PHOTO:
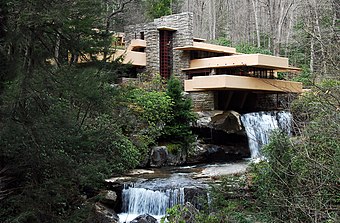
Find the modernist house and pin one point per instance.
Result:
(216, 77)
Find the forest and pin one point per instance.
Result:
(67, 126)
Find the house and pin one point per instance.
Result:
(216, 77)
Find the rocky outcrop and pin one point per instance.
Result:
(145, 218)
(227, 121)
(166, 156)
(207, 153)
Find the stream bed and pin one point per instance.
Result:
(152, 191)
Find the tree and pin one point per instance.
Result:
(158, 8)
(177, 127)
(59, 132)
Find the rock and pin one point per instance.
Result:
(159, 156)
(145, 218)
(214, 153)
(204, 153)
(140, 172)
(118, 180)
(104, 214)
(109, 197)
(196, 196)
(204, 118)
(228, 121)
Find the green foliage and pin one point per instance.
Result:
(299, 180)
(151, 110)
(250, 49)
(158, 8)
(177, 127)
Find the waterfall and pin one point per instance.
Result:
(260, 125)
(139, 201)
(153, 197)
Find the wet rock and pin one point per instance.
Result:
(103, 214)
(145, 218)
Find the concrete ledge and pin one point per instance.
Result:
(231, 82)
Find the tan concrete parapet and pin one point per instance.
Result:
(231, 82)
(131, 57)
(254, 60)
(201, 46)
(136, 44)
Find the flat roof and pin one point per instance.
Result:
(208, 47)
(167, 28)
(199, 39)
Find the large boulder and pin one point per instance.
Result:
(228, 121)
(145, 218)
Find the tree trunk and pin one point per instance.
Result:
(255, 7)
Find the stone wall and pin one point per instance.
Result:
(202, 101)
(183, 36)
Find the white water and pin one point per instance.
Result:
(153, 197)
(260, 125)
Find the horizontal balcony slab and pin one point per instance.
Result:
(200, 46)
(250, 60)
(136, 44)
(131, 57)
(231, 82)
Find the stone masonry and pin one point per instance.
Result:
(203, 101)
(183, 36)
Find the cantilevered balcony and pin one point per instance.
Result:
(231, 82)
(201, 46)
(136, 45)
(131, 57)
(249, 60)
(134, 54)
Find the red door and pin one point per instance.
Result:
(165, 57)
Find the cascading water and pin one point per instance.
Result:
(260, 125)
(153, 197)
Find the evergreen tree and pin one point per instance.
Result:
(178, 127)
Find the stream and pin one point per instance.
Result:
(152, 191)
